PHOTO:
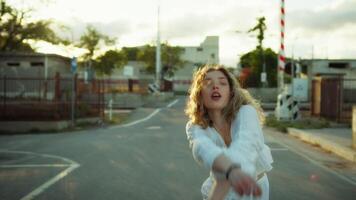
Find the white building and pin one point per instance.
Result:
(335, 68)
(206, 53)
(34, 65)
(346, 68)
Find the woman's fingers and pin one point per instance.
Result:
(244, 184)
(240, 191)
(247, 187)
(257, 191)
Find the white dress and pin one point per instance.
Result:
(247, 148)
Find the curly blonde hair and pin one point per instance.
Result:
(197, 112)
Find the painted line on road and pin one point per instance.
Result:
(352, 182)
(31, 166)
(72, 166)
(137, 121)
(47, 184)
(279, 149)
(143, 119)
(153, 128)
(172, 103)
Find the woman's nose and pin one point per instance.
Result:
(215, 87)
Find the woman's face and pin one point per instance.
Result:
(215, 91)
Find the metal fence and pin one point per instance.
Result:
(49, 99)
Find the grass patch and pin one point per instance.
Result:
(307, 123)
(185, 93)
(117, 118)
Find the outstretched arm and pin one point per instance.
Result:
(206, 152)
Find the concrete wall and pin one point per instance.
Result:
(124, 100)
(132, 100)
(264, 94)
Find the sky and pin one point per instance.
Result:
(314, 28)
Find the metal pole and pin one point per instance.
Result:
(281, 57)
(73, 99)
(5, 96)
(264, 84)
(158, 55)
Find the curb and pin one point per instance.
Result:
(337, 149)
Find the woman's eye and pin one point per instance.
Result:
(223, 83)
(207, 82)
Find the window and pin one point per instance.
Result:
(199, 49)
(37, 64)
(13, 64)
(339, 65)
(212, 55)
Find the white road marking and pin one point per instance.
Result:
(47, 184)
(279, 149)
(143, 119)
(29, 166)
(172, 103)
(72, 166)
(352, 182)
(153, 128)
(138, 121)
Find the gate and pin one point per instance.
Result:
(331, 98)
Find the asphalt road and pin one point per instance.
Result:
(149, 158)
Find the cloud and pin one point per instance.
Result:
(76, 28)
(199, 25)
(190, 25)
(326, 19)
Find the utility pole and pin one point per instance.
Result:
(158, 55)
(281, 56)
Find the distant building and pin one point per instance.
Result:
(194, 56)
(34, 65)
(132, 70)
(206, 53)
(339, 67)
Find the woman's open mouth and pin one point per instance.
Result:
(215, 96)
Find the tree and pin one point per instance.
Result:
(106, 63)
(170, 58)
(130, 52)
(92, 39)
(252, 60)
(16, 30)
(257, 59)
(260, 28)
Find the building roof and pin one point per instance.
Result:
(328, 59)
(30, 54)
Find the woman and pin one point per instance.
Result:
(225, 135)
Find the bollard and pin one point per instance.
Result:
(354, 126)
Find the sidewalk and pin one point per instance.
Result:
(336, 140)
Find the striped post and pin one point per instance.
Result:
(281, 56)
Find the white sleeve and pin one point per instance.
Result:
(248, 141)
(203, 148)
